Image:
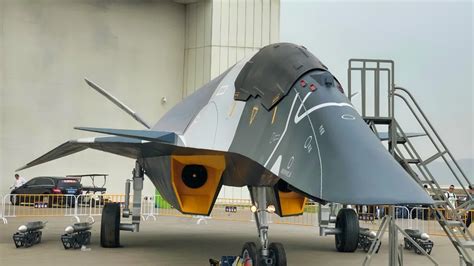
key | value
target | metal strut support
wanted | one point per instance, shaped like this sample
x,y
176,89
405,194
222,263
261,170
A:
x,y
395,252
126,208
262,220
137,179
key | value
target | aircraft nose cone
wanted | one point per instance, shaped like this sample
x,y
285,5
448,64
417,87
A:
x,y
357,168
351,165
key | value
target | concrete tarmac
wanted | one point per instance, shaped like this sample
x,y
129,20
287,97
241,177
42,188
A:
x,y
180,241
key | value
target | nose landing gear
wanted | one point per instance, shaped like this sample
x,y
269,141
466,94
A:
x,y
269,254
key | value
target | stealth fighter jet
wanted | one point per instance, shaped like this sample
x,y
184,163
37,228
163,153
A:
x,y
278,123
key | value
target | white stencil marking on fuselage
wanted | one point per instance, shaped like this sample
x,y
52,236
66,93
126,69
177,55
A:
x,y
348,117
321,130
307,144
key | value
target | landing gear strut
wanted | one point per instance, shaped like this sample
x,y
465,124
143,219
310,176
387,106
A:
x,y
269,253
110,225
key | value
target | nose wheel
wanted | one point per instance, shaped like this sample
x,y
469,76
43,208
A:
x,y
277,254
251,255
268,254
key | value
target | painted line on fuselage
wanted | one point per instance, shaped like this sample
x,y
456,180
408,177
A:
x,y
284,132
316,140
317,107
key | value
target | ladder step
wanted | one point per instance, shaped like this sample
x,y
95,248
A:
x,y
467,244
427,182
434,157
453,223
401,140
378,120
413,161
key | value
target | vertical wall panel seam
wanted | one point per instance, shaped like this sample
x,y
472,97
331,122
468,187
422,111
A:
x,y
204,78
236,34
245,25
253,28
270,23
186,35
195,44
261,23
228,35
237,28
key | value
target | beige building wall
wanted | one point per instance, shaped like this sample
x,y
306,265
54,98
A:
x,y
134,49
221,32
140,51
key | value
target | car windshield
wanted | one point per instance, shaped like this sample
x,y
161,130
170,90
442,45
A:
x,y
69,183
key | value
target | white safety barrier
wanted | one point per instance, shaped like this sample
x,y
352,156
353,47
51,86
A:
x,y
2,213
148,208
35,205
89,207
402,217
47,205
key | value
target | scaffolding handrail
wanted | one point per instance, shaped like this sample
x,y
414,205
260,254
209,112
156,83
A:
x,y
438,138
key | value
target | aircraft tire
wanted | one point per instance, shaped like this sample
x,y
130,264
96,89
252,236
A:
x,y
110,226
250,252
348,222
278,254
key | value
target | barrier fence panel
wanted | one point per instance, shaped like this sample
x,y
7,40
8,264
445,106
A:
x,y
36,205
89,206
148,208
2,212
419,218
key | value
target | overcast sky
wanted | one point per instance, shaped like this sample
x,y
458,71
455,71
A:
x,y
430,42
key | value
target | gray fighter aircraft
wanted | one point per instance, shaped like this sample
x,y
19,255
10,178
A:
x,y
278,123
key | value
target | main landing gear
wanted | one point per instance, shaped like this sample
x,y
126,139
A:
x,y
348,224
110,226
268,253
345,227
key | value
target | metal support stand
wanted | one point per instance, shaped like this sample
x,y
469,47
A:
x,y
137,179
327,220
126,208
395,252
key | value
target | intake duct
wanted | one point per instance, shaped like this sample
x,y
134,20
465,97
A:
x,y
196,181
290,203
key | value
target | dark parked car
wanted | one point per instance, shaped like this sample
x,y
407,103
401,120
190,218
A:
x,y
47,189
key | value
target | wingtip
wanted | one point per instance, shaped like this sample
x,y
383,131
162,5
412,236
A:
x,y
91,129
21,168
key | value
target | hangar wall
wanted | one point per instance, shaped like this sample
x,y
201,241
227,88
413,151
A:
x,y
140,51
134,49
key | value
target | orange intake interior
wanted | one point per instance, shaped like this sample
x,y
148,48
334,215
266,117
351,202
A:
x,y
197,200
